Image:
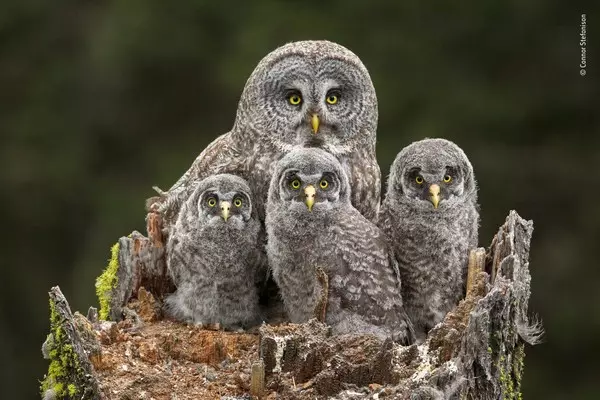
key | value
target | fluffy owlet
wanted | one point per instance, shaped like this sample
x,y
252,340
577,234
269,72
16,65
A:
x,y
213,255
310,94
431,216
312,224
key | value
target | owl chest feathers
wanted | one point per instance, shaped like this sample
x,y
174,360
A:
x,y
217,251
296,248
432,251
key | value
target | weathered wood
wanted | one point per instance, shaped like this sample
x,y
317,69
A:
x,y
307,354
257,379
476,265
492,353
141,263
68,347
477,352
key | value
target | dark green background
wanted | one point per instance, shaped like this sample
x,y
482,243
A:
x,y
100,100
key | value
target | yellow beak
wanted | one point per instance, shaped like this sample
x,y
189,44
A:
x,y
309,193
434,195
314,122
225,206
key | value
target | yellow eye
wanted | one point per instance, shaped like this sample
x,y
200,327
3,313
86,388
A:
x,y
419,179
447,179
295,184
295,99
324,184
211,202
237,202
332,99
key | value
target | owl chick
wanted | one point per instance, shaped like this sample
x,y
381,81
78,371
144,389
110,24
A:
x,y
431,216
311,224
307,93
214,254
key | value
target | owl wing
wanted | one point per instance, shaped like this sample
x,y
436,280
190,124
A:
x,y
221,156
218,157
365,181
368,282
384,222
181,243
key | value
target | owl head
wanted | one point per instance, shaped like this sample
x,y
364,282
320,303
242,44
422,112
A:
x,y
221,200
312,94
309,180
432,174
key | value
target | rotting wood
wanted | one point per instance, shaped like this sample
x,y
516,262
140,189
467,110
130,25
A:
x,y
477,352
257,379
141,264
476,265
69,347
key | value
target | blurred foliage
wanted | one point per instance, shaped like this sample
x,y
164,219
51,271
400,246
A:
x,y
101,100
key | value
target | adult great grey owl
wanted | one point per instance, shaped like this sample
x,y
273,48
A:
x,y
308,93
311,224
431,216
214,254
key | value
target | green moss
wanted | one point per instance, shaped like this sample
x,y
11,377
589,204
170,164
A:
x,y
518,367
64,364
505,380
72,389
511,373
59,389
106,282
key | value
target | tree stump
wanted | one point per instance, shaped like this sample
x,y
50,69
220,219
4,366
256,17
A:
x,y
141,263
477,352
69,346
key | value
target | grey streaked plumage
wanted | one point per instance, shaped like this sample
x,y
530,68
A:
x,y
214,256
364,285
431,244
268,125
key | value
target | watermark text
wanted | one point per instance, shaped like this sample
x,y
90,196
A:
x,y
583,45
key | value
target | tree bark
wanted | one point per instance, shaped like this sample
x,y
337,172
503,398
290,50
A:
x,y
141,264
477,352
